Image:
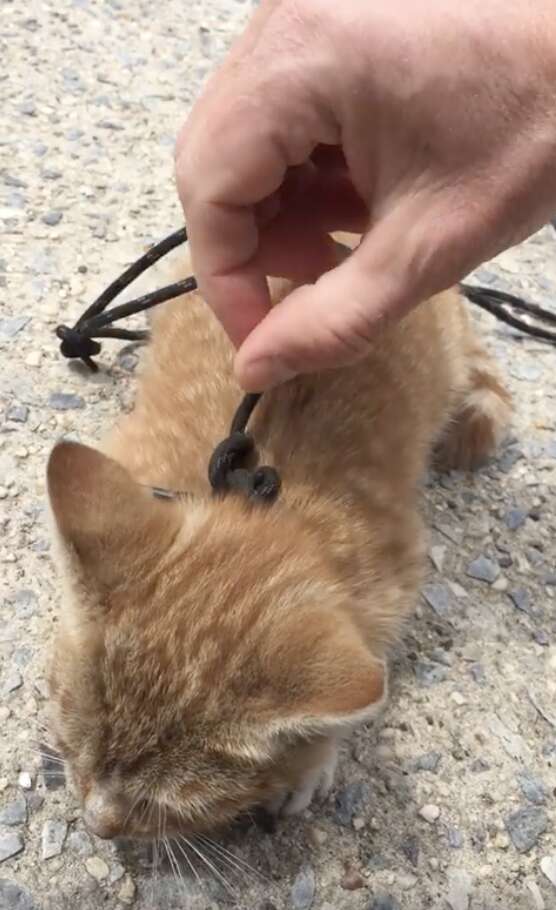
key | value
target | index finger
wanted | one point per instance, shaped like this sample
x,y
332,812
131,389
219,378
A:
x,y
220,183
232,154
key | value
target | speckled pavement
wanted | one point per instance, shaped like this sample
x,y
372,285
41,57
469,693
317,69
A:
x,y
449,802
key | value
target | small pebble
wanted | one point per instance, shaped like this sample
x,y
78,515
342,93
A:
x,y
25,603
536,897
525,827
501,841
430,674
35,801
429,761
410,849
525,372
460,889
126,891
515,518
439,597
483,569
65,401
12,680
51,174
550,448
501,584
25,781
80,842
53,836
532,788
303,889
10,845
12,180
520,599
548,868
509,458
33,359
437,556
458,699
352,880
18,413
128,362
14,897
442,656
52,218
455,839
117,872
384,902
28,108
14,813
384,752
97,868
11,326
534,555
478,527
458,590
348,801
430,813
406,880
478,673
318,836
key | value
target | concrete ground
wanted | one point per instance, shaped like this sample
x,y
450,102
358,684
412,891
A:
x,y
449,802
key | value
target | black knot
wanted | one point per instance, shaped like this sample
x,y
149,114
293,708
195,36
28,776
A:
x,y
265,483
76,345
228,471
228,456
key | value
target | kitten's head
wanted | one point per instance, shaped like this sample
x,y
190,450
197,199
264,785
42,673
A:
x,y
202,653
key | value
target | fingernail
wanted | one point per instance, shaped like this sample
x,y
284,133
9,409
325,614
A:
x,y
264,373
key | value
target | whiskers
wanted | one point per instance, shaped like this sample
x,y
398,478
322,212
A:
x,y
231,859
210,865
52,765
189,857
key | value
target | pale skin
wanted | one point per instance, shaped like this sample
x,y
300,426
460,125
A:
x,y
427,125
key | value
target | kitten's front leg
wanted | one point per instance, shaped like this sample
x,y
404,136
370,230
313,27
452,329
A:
x,y
314,779
315,782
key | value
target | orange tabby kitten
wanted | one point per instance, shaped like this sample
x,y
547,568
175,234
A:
x,y
211,652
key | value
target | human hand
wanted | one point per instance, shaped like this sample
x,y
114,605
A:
x,y
429,125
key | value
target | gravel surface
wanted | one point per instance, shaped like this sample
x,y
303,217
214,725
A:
x,y
448,803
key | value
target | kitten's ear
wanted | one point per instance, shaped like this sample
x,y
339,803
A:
x,y
101,513
335,682
349,694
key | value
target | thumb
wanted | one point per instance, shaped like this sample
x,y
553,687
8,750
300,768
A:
x,y
332,322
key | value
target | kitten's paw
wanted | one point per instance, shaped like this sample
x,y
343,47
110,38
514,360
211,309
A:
x,y
315,782
480,422
327,776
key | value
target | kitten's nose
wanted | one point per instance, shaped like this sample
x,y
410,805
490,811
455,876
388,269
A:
x,y
103,814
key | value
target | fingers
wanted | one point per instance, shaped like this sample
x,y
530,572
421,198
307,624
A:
x,y
295,223
333,322
232,157
219,185
224,172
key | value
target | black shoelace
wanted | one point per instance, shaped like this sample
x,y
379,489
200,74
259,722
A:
x,y
230,466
